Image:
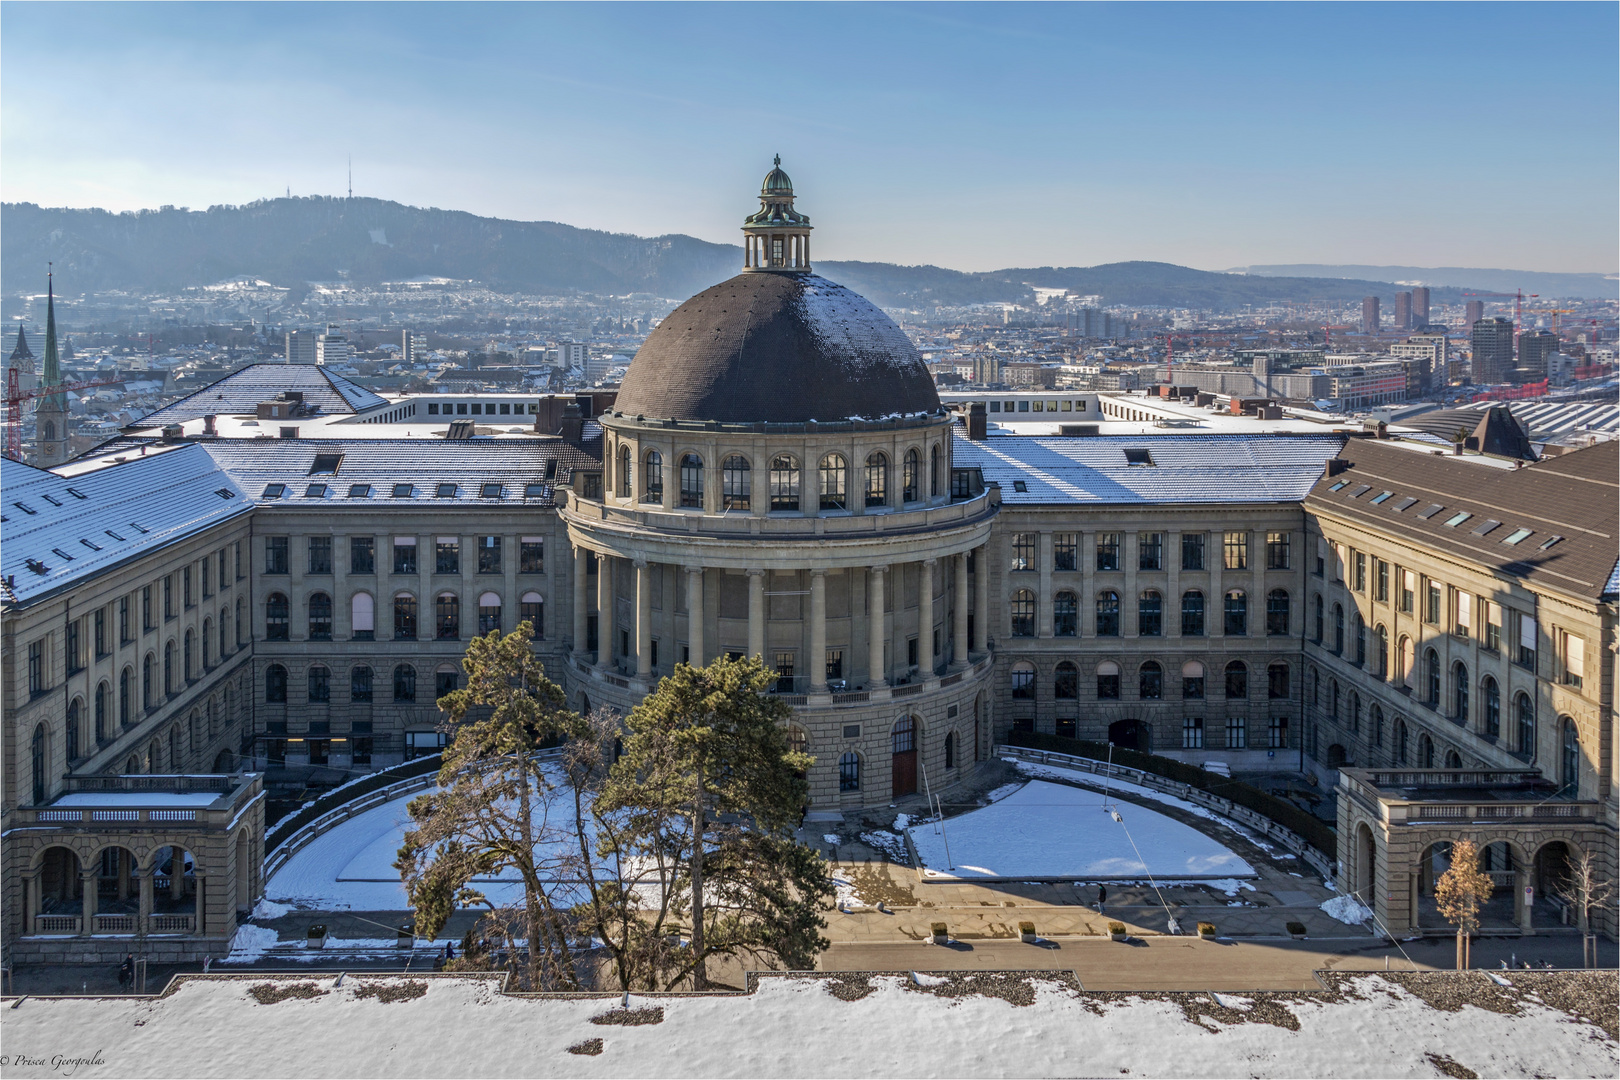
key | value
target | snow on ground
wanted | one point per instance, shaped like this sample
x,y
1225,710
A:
x,y
793,1027
1347,909
1003,791
269,909
889,843
1053,830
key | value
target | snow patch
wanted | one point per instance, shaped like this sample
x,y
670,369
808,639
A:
x,y
831,838
250,943
269,909
1347,909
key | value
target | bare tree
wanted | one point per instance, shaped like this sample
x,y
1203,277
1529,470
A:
x,y
1461,891
1584,887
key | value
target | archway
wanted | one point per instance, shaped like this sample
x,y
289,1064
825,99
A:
x,y
1335,756
903,756
117,904
1364,884
174,889
222,762
244,871
1130,735
58,902
1550,869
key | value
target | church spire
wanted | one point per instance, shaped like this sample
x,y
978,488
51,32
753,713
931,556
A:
x,y
53,363
51,418
778,236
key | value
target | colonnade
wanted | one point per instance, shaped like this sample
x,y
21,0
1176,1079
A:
x,y
968,623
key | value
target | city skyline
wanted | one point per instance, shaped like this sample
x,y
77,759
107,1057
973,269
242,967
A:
x,y
970,137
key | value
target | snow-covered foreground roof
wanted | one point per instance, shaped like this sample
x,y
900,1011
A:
x,y
1046,830
1370,1025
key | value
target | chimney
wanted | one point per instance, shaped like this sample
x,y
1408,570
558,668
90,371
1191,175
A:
x,y
976,421
173,433
208,424
572,426
1337,465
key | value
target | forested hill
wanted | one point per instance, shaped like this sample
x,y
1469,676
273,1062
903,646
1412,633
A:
x,y
295,240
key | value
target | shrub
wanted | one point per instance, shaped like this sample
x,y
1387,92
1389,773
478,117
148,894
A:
x,y
270,993
1116,928
1296,928
589,1048
391,992
1318,833
652,1014
1206,929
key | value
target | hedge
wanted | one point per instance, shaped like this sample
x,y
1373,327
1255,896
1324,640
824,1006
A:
x,y
1318,833
338,796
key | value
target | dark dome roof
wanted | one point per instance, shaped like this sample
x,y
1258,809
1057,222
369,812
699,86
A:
x,y
778,348
776,181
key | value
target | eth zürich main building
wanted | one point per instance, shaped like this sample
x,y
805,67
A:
x,y
200,614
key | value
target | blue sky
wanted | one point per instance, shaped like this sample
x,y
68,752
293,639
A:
x,y
976,137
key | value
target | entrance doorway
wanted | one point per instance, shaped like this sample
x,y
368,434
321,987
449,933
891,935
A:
x,y
903,755
1130,735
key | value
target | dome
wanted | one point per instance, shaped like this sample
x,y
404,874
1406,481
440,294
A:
x,y
776,348
776,182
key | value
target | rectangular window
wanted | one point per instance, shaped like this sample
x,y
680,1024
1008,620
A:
x,y
1493,625
1192,733
206,591
362,554
1235,549
185,588
404,554
1383,581
239,574
1277,733
489,555
1463,623
168,596
36,668
1023,552
1150,551
320,554
1527,641
74,660
1408,591
1237,733
1108,551
360,750
447,555
1431,607
100,624
1321,556
1064,547
1277,553
1192,551
835,665
1192,687
532,555
1108,687
125,631
275,554
784,673
1571,659
1361,572
146,609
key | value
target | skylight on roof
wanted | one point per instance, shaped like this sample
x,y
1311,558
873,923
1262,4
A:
x,y
326,463
1486,526
1340,486
445,491
25,508
139,528
359,491
63,554
274,491
1138,456
91,546
225,493
112,534
1430,510
534,491
1550,541
1457,519
1358,491
1517,535
1019,485
315,491
404,491
48,499
1381,497
491,491
76,493
1405,504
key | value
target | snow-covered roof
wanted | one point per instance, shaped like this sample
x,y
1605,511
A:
x,y
240,392
56,530
1172,469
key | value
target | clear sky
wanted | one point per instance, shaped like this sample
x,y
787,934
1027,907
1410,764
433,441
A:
x,y
976,137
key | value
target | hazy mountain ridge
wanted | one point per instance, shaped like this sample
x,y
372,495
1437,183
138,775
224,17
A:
x,y
1465,277
289,241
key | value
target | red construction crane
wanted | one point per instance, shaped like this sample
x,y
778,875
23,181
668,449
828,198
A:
x,y
1327,335
15,396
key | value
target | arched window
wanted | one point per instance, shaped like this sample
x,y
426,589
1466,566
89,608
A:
x,y
320,685
1459,693
1277,680
320,617
1381,651
1316,632
168,667
834,483
241,618
447,616
1400,742
149,682
1569,769
1192,681
1491,707
1237,614
1360,629
275,685
1355,712
1108,614
1066,681
50,430
911,477
1338,629
75,714
126,694
1023,680
1066,614
360,684
276,617
652,477
1150,614
532,610
37,751
933,471
691,482
1525,714
404,683
404,617
1237,679
1406,664
1150,681
101,713
1023,613
1453,759
877,479
1192,614
188,650
489,613
1375,719
624,478
363,616
1108,681
903,736
736,483
1431,662
1277,612
1333,699
950,749
784,482
206,638
849,772
1426,752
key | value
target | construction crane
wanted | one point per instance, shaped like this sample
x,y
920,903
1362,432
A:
x,y
1519,297
1327,335
15,396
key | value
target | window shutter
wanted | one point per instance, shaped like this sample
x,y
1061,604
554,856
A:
x,y
1465,611
1527,632
1575,656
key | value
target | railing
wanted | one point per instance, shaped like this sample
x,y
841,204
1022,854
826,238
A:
x,y
853,697
784,526
56,924
1407,778
170,924
1418,813
1288,838
115,924
220,782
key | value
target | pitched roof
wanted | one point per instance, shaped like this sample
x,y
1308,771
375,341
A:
x,y
240,392
55,530
1176,468
1552,523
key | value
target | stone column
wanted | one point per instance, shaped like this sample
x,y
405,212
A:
x,y
1521,910
146,883
756,613
875,635
202,905
124,869
581,601
604,610
1215,606
818,632
1172,592
960,599
694,614
1130,558
982,561
643,619
925,618
31,899
1043,598
87,910
177,875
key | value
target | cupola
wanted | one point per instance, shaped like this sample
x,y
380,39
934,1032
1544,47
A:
x,y
777,237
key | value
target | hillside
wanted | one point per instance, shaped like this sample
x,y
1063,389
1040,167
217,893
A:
x,y
291,241
1592,286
